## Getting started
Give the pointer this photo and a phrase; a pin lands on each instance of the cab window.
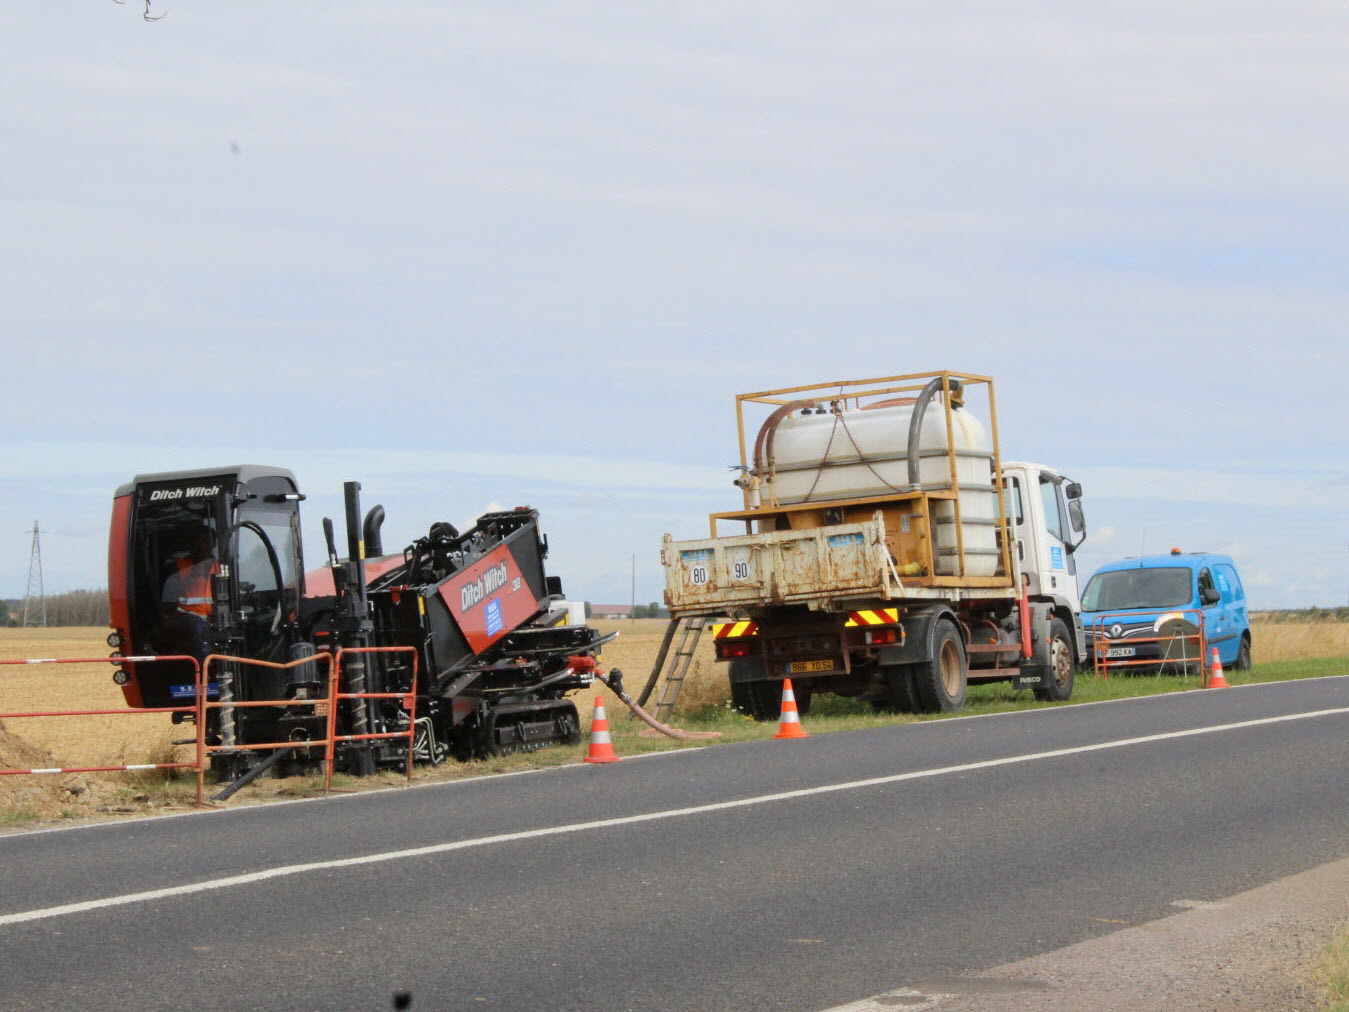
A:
(1014, 501)
(1049, 492)
(1205, 586)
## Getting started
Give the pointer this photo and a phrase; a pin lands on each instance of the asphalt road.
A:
(761, 875)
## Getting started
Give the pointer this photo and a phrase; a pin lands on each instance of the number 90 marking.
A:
(740, 570)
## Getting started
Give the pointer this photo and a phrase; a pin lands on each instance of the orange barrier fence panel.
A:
(227, 706)
(407, 701)
(126, 711)
(1115, 645)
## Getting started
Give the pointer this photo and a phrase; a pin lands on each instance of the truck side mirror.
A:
(1210, 595)
(1073, 490)
(1079, 522)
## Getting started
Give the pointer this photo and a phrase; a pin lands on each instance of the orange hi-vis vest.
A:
(196, 590)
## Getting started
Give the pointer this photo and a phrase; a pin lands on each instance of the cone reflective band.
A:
(790, 724)
(601, 746)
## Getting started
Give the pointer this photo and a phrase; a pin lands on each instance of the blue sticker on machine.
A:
(696, 555)
(840, 540)
(1056, 556)
(494, 623)
(190, 691)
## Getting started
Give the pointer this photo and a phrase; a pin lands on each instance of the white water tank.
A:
(860, 452)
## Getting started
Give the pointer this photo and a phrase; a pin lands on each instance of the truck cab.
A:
(1048, 527)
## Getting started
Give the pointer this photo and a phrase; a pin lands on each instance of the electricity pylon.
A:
(34, 600)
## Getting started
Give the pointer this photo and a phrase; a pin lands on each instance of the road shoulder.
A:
(1253, 951)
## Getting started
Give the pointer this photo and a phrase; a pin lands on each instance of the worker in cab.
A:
(186, 599)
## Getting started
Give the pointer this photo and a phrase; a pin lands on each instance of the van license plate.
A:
(800, 667)
(1120, 652)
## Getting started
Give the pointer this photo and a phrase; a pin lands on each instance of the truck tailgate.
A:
(817, 563)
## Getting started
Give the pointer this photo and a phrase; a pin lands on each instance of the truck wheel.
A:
(758, 699)
(939, 682)
(899, 685)
(1061, 664)
(1243, 662)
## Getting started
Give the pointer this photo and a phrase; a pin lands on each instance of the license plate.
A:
(800, 667)
(1120, 652)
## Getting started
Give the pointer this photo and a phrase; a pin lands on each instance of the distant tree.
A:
(78, 607)
(4, 613)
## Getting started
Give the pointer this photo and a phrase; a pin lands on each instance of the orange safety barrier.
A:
(205, 706)
(123, 712)
(408, 701)
(323, 705)
(1104, 645)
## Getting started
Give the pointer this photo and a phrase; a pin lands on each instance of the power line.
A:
(34, 599)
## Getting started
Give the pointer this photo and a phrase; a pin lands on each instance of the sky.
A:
(492, 254)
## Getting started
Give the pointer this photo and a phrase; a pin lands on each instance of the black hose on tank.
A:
(916, 423)
(370, 532)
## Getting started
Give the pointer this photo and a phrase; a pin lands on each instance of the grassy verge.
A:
(836, 713)
(1333, 973)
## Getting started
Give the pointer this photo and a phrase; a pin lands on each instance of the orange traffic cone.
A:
(790, 725)
(601, 746)
(1215, 673)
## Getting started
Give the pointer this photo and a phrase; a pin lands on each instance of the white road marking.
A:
(904, 999)
(284, 871)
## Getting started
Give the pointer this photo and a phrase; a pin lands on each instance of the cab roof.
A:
(1186, 560)
(243, 473)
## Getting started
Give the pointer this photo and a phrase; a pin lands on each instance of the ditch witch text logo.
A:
(490, 582)
(192, 492)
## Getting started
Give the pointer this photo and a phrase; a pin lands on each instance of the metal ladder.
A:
(689, 629)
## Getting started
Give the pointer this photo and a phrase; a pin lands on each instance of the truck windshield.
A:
(1138, 588)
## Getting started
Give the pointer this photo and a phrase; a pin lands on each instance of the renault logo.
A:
(1116, 631)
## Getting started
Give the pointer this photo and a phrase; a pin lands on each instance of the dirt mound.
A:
(43, 793)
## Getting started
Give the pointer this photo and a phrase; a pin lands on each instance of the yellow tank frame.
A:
(856, 393)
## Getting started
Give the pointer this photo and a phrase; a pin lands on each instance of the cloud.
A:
(468, 252)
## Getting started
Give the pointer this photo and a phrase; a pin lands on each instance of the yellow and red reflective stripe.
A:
(732, 630)
(874, 616)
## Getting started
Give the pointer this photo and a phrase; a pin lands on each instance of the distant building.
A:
(611, 611)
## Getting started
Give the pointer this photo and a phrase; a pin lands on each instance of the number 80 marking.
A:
(698, 575)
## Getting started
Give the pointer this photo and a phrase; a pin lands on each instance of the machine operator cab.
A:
(199, 562)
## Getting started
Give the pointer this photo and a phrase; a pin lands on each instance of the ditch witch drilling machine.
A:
(493, 662)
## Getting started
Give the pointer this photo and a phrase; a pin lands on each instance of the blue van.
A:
(1154, 598)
